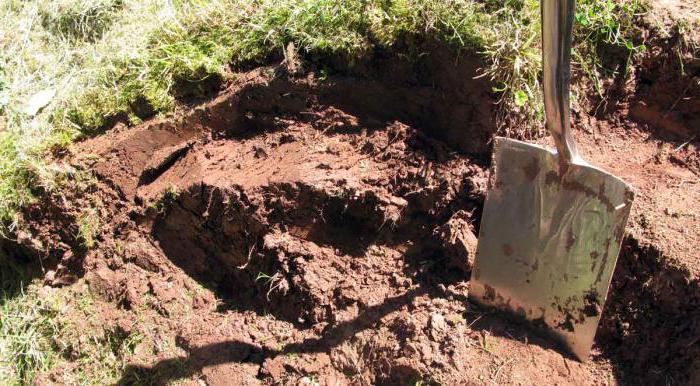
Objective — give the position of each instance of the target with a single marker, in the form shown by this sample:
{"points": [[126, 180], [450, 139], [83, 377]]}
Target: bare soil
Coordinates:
{"points": [[300, 229]]}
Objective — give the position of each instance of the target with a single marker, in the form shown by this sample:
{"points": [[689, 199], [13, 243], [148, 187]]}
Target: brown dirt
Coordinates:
{"points": [[651, 320], [300, 230]]}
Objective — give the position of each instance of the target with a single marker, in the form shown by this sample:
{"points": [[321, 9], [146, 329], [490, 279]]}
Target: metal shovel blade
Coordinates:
{"points": [[552, 225], [548, 243]]}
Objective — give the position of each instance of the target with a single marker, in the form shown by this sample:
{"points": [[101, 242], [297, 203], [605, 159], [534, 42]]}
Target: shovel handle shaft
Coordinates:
{"points": [[557, 22]]}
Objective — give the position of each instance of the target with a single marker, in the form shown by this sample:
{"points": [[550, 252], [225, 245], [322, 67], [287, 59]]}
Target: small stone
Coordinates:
{"points": [[50, 275], [409, 350], [306, 381], [454, 319], [125, 326], [437, 325]]}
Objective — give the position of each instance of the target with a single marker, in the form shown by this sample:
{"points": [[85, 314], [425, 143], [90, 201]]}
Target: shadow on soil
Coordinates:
{"points": [[650, 327], [16, 272], [235, 351], [20, 265], [440, 93]]}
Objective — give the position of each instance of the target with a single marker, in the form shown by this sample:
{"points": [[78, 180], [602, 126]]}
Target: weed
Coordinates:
{"points": [[275, 282], [89, 223], [167, 199], [119, 247], [121, 343], [487, 344], [606, 23], [687, 41], [264, 277], [425, 380]]}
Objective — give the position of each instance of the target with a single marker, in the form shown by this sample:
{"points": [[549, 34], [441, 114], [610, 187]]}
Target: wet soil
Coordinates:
{"points": [[303, 229]]}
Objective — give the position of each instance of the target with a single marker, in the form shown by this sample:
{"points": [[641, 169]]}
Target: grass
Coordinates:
{"points": [[167, 199], [78, 20], [688, 34], [41, 329], [27, 324], [88, 222], [606, 23], [514, 58]]}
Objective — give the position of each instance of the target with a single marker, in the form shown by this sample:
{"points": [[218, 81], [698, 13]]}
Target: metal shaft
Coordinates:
{"points": [[557, 22]]}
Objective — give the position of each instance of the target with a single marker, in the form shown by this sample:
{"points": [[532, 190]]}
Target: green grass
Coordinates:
{"points": [[606, 22], [514, 58], [27, 323], [41, 329], [26, 327], [688, 32], [104, 60], [88, 222], [78, 20], [161, 205]]}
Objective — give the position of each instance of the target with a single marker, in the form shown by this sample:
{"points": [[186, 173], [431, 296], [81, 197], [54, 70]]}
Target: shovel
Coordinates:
{"points": [[552, 224]]}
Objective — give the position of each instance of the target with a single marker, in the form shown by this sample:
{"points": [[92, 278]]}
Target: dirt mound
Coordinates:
{"points": [[299, 229], [282, 201]]}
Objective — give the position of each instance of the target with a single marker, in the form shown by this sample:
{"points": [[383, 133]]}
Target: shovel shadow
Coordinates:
{"points": [[234, 351]]}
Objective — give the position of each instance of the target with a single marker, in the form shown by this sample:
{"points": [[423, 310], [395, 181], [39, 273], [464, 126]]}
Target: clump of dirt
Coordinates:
{"points": [[667, 80], [298, 204]]}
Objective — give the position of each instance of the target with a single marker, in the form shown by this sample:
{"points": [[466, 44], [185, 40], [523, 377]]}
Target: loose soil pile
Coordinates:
{"points": [[304, 230]]}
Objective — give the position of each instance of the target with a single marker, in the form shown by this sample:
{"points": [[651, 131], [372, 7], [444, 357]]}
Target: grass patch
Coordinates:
{"points": [[27, 325], [24, 172], [514, 59], [79, 20], [602, 29], [607, 24], [200, 39], [16, 178], [42, 329], [688, 41]]}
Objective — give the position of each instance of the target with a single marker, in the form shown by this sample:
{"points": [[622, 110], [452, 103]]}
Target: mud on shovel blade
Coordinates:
{"points": [[552, 225]]}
